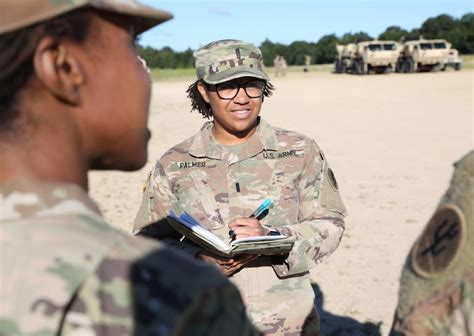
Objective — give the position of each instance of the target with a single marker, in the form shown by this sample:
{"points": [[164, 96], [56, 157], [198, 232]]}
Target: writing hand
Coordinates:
{"points": [[247, 227]]}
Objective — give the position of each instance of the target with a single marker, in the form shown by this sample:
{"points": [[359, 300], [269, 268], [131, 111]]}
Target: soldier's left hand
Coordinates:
{"points": [[227, 266]]}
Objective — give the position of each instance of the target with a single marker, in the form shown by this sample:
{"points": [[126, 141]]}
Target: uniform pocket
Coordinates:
{"points": [[196, 198]]}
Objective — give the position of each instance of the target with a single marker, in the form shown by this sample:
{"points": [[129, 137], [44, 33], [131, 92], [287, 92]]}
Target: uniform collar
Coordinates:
{"points": [[205, 146], [26, 197]]}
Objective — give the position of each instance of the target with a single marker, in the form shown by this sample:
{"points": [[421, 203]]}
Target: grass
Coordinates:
{"points": [[468, 61], [189, 73], [172, 74]]}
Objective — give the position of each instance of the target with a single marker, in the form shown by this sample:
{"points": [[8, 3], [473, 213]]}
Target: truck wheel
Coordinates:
{"points": [[405, 66], [356, 70], [436, 68], [457, 66], [409, 65], [365, 68], [399, 66], [359, 66]]}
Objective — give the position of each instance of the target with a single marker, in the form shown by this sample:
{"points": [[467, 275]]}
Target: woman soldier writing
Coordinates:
{"points": [[225, 171]]}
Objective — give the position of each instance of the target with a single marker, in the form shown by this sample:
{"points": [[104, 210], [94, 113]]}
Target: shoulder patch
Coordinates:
{"points": [[147, 181], [332, 179], [441, 242]]}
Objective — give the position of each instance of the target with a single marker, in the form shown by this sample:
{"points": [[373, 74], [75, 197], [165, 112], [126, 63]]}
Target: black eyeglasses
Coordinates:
{"points": [[230, 90]]}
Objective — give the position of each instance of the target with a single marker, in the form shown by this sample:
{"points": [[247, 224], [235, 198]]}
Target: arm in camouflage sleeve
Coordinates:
{"points": [[156, 203], [142, 289], [321, 216]]}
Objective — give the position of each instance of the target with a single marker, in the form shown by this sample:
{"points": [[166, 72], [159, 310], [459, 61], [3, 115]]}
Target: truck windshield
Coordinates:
{"points": [[375, 47], [425, 46], [389, 47], [440, 45]]}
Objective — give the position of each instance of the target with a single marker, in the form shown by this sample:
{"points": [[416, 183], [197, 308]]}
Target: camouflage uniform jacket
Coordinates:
{"points": [[216, 185], [437, 283], [64, 271]]}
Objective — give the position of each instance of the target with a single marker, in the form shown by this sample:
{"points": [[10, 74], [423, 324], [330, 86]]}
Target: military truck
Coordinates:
{"points": [[376, 56], [343, 62], [364, 57], [423, 55], [453, 60]]}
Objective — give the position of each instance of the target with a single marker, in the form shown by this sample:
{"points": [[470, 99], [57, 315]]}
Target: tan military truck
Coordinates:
{"points": [[453, 60], [376, 56], [343, 62], [423, 55]]}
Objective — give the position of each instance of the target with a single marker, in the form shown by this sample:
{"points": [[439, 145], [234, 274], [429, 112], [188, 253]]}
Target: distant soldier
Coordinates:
{"points": [[74, 96], [307, 63], [284, 66], [437, 283], [277, 65], [280, 66]]}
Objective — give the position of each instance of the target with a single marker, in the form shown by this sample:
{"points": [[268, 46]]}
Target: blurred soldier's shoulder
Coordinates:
{"points": [[437, 283], [64, 267]]}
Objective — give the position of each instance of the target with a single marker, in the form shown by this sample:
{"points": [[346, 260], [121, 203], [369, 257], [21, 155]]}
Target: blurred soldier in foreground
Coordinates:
{"points": [[437, 284], [74, 96]]}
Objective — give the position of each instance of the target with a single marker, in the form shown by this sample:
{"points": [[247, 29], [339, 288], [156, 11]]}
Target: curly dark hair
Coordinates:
{"points": [[198, 103], [16, 56]]}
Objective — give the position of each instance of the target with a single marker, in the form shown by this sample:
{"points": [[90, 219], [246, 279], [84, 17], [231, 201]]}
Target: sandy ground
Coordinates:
{"points": [[391, 140]]}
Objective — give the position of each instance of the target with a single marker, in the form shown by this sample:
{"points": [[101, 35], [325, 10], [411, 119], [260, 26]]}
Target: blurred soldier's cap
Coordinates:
{"points": [[224, 60], [16, 14]]}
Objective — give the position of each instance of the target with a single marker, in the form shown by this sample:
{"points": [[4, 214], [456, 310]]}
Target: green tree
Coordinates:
{"points": [[355, 37], [437, 27], [460, 32], [270, 50], [466, 25], [325, 49], [393, 33], [297, 51]]}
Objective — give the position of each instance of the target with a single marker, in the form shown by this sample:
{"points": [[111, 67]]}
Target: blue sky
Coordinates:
{"points": [[196, 23]]}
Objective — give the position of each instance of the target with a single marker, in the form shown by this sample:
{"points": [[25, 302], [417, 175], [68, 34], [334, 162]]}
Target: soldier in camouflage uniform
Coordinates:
{"points": [[64, 271], [307, 63], [437, 283], [222, 174]]}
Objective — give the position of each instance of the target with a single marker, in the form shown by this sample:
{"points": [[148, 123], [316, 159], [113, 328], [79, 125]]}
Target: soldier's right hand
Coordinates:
{"points": [[227, 266]]}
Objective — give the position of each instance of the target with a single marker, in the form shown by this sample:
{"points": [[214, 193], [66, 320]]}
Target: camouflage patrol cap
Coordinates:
{"points": [[223, 60], [16, 14]]}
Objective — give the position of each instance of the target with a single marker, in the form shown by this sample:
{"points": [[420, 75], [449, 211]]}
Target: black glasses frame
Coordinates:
{"points": [[215, 87]]}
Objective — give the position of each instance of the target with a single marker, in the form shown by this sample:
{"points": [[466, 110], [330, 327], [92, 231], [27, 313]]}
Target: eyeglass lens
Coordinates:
{"points": [[229, 90]]}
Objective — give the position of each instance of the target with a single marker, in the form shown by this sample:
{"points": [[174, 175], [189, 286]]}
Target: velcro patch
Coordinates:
{"points": [[440, 243], [332, 179]]}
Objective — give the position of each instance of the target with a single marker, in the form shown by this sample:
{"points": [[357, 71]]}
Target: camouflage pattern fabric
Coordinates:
{"points": [[223, 60], [216, 185], [13, 16], [441, 302], [66, 272]]}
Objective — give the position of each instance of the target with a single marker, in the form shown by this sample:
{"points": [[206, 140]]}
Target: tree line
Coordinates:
{"points": [[460, 32]]}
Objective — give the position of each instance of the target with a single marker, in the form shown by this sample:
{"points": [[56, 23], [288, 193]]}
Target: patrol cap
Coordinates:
{"points": [[15, 14], [223, 60]]}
